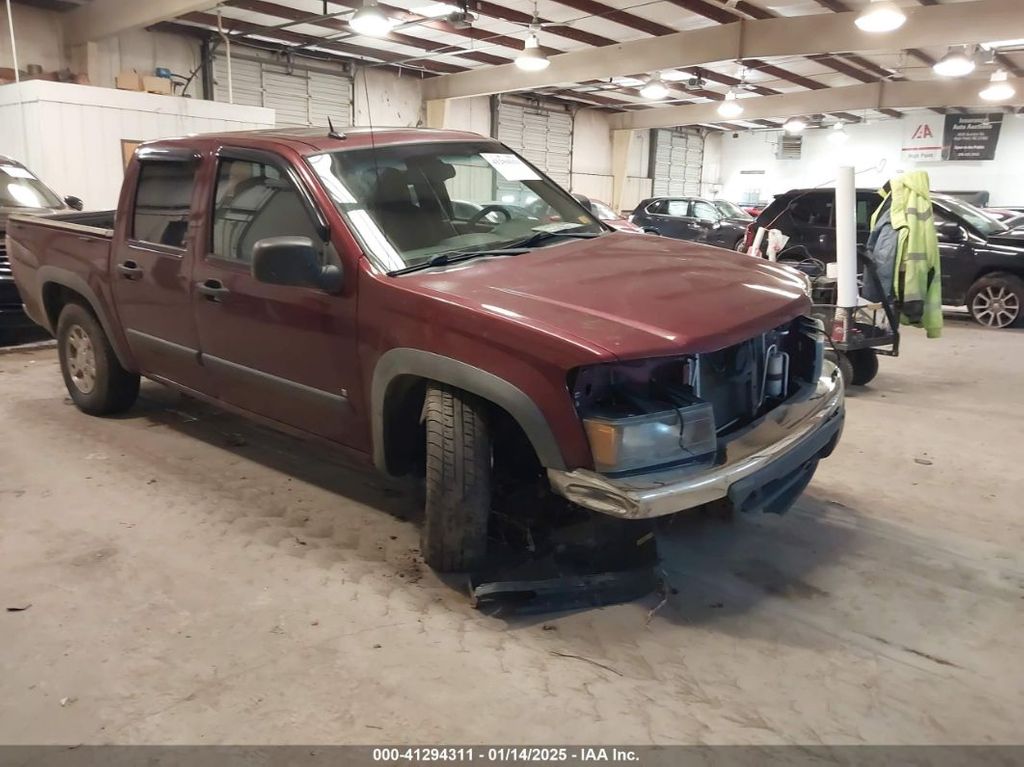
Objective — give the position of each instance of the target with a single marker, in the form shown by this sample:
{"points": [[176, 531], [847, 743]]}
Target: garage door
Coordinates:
{"points": [[299, 94], [541, 135], [677, 157]]}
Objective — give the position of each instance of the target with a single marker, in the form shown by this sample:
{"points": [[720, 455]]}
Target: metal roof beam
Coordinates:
{"points": [[102, 18], [974, 22], [879, 96]]}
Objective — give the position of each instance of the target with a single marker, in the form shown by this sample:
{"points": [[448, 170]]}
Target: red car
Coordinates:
{"points": [[325, 285], [604, 212]]}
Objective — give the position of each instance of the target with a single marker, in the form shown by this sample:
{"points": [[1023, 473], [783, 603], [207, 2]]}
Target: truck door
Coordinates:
{"points": [[282, 352], [150, 265]]}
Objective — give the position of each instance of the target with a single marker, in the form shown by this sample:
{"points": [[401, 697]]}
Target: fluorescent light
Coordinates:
{"points": [[998, 88], [437, 10], [956, 63], [795, 125], [369, 21], [881, 16], [532, 58], [731, 107], [654, 89], [838, 134]]}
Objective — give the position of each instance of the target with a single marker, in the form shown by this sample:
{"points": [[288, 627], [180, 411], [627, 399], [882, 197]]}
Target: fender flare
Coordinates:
{"points": [[399, 362], [48, 275]]}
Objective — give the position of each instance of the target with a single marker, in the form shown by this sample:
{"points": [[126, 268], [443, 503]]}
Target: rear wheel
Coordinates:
{"points": [[996, 300], [863, 366], [458, 482], [97, 383], [845, 367], [738, 245]]}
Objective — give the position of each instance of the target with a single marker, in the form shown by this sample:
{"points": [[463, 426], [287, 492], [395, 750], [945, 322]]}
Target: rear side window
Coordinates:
{"points": [[812, 210], [163, 200], [253, 201], [678, 207]]}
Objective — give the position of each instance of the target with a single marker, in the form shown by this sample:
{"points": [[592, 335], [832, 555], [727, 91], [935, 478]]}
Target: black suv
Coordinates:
{"points": [[716, 222], [982, 260]]}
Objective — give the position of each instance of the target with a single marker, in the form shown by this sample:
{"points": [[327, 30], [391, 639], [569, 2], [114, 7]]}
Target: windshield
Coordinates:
{"points": [[20, 189], [977, 219], [731, 210], [412, 202], [603, 212]]}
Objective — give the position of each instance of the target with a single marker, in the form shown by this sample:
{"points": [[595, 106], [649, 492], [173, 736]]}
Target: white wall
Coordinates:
{"points": [[869, 146], [39, 37], [70, 135], [472, 114], [394, 100]]}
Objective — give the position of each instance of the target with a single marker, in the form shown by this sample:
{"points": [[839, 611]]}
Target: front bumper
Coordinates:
{"points": [[759, 466]]}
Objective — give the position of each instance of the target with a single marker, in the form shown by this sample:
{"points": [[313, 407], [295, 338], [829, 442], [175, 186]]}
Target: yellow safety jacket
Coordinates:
{"points": [[916, 271]]}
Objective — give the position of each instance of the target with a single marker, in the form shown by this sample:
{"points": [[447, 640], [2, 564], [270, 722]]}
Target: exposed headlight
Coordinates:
{"points": [[650, 440]]}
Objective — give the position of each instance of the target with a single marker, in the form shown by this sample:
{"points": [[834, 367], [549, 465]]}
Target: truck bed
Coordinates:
{"points": [[71, 249]]}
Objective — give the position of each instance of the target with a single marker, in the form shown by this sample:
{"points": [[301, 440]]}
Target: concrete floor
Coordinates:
{"points": [[193, 579]]}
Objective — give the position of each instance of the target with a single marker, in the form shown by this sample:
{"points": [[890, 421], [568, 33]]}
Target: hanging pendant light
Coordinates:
{"points": [[956, 63], [838, 134], [370, 21], [999, 89], [881, 16], [654, 88], [795, 125], [731, 107], [532, 58]]}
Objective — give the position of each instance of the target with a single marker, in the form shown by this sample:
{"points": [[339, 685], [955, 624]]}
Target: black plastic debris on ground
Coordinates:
{"points": [[564, 559]]}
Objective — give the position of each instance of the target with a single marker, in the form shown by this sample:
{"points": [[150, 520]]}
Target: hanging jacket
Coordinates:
{"points": [[882, 245], [916, 272]]}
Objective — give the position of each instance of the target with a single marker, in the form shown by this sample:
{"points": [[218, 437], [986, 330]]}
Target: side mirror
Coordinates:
{"points": [[293, 261], [585, 202], [75, 203], [950, 231]]}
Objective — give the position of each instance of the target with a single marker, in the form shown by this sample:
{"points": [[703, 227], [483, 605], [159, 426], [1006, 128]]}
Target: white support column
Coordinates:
{"points": [[621, 139], [437, 113], [846, 237]]}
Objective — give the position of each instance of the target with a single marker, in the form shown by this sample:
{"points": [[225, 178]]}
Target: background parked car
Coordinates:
{"points": [[1011, 217], [754, 208], [21, 192], [615, 220], [982, 260], [691, 218]]}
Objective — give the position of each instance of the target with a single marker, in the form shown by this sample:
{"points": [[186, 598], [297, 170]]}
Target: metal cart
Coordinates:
{"points": [[856, 335]]}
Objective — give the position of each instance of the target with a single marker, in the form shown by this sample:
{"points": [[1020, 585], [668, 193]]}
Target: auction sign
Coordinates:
{"points": [[971, 137], [922, 137]]}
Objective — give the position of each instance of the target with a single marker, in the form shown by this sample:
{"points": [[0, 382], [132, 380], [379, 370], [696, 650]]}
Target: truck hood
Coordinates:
{"points": [[632, 296]]}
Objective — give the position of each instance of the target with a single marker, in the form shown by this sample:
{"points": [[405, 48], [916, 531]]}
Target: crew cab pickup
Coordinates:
{"points": [[328, 285]]}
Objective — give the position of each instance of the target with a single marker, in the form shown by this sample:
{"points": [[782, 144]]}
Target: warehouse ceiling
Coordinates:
{"points": [[425, 43]]}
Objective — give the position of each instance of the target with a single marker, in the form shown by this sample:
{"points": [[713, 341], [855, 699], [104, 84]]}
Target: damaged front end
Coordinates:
{"points": [[748, 422]]}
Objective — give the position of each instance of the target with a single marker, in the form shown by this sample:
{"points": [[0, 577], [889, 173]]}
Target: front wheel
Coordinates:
{"points": [[458, 482], [995, 300], [97, 383]]}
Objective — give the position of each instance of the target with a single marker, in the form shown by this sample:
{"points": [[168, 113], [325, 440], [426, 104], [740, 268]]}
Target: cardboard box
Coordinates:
{"points": [[156, 85], [129, 80]]}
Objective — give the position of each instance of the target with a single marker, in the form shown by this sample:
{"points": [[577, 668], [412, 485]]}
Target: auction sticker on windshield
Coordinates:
{"points": [[510, 167]]}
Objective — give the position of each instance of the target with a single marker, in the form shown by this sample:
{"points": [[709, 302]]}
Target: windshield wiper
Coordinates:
{"points": [[453, 257], [538, 237]]}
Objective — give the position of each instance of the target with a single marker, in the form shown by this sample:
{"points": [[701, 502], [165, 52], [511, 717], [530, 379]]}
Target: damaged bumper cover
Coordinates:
{"points": [[775, 455]]}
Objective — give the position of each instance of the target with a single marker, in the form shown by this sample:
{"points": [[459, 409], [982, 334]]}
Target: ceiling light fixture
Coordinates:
{"points": [[370, 21], [998, 88], [795, 125], [838, 134], [532, 58], [437, 10], [654, 88], [956, 63], [731, 107], [881, 16]]}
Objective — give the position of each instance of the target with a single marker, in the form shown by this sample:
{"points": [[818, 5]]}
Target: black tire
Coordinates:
{"points": [[864, 366], [997, 301], [97, 383], [458, 481], [738, 246], [845, 368]]}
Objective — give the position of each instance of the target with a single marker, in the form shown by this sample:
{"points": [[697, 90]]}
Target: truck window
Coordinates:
{"points": [[163, 199], [254, 200]]}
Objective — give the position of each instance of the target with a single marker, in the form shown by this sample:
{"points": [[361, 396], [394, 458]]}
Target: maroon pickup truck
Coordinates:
{"points": [[384, 292]]}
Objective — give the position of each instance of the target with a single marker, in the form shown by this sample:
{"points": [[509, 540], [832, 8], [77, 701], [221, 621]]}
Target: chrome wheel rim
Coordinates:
{"points": [[81, 359], [996, 306]]}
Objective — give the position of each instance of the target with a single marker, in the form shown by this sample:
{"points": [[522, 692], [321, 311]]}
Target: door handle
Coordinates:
{"points": [[214, 290], [130, 270]]}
